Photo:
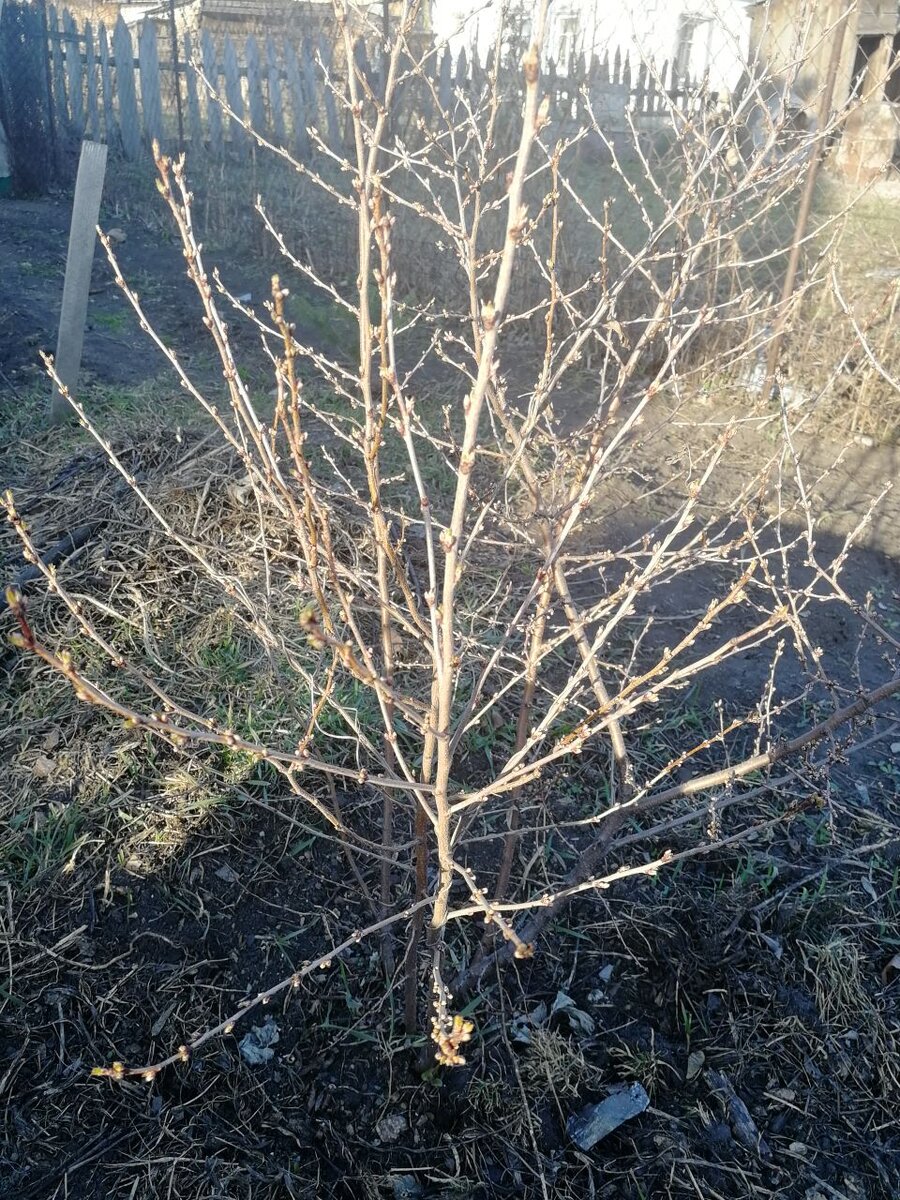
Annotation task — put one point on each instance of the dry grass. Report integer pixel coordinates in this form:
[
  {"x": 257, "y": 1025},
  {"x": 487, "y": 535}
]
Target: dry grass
[
  {"x": 852, "y": 241},
  {"x": 146, "y": 891},
  {"x": 154, "y": 887}
]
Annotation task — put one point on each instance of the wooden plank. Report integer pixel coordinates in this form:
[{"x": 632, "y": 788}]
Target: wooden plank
[
  {"x": 310, "y": 86},
  {"x": 402, "y": 115},
  {"x": 664, "y": 85},
  {"x": 234, "y": 95},
  {"x": 74, "y": 78},
  {"x": 151, "y": 103},
  {"x": 195, "y": 124},
  {"x": 273, "y": 81},
  {"x": 656, "y": 102},
  {"x": 330, "y": 84},
  {"x": 59, "y": 77},
  {"x": 126, "y": 91},
  {"x": 364, "y": 72},
  {"x": 422, "y": 92},
  {"x": 77, "y": 285},
  {"x": 462, "y": 72},
  {"x": 640, "y": 87},
  {"x": 255, "y": 103},
  {"x": 213, "y": 109},
  {"x": 445, "y": 82},
  {"x": 93, "y": 107},
  {"x": 479, "y": 74},
  {"x": 109, "y": 119},
  {"x": 299, "y": 114}
]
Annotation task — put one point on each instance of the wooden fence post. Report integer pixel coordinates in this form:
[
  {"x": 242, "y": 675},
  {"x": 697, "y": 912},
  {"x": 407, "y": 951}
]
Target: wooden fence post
[
  {"x": 234, "y": 95},
  {"x": 255, "y": 103},
  {"x": 151, "y": 102},
  {"x": 76, "y": 289},
  {"x": 195, "y": 125},
  {"x": 273, "y": 83},
  {"x": 310, "y": 86},
  {"x": 663, "y": 105},
  {"x": 640, "y": 88},
  {"x": 128, "y": 110},
  {"x": 59, "y": 79},
  {"x": 445, "y": 80},
  {"x": 331, "y": 113},
  {"x": 73, "y": 73},
  {"x": 213, "y": 110},
  {"x": 109, "y": 120},
  {"x": 299, "y": 112},
  {"x": 93, "y": 107},
  {"x": 462, "y": 71}
]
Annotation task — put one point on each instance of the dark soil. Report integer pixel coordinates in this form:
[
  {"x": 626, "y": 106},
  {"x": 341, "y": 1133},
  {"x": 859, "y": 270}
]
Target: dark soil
[{"x": 776, "y": 963}]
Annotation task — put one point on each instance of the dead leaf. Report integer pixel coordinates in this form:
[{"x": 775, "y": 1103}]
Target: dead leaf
[
  {"x": 43, "y": 766},
  {"x": 240, "y": 493},
  {"x": 159, "y": 1024},
  {"x": 580, "y": 1021},
  {"x": 256, "y": 1046},
  {"x": 52, "y": 740},
  {"x": 695, "y": 1062},
  {"x": 773, "y": 943}
]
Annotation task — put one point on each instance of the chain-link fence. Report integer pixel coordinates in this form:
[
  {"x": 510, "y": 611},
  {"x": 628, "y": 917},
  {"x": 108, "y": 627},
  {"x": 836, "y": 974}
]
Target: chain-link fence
[
  {"x": 129, "y": 75},
  {"x": 638, "y": 97},
  {"x": 278, "y": 67}
]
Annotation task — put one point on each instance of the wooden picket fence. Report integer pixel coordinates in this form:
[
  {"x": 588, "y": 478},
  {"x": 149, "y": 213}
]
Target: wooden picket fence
[{"x": 115, "y": 88}]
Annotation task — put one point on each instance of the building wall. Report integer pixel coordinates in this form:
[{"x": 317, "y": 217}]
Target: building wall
[
  {"x": 106, "y": 11},
  {"x": 792, "y": 41},
  {"x": 878, "y": 17},
  {"x": 640, "y": 29}
]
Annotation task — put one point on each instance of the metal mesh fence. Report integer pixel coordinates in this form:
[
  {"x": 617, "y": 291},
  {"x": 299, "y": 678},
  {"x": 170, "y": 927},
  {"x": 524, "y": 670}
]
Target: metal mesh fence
[
  {"x": 638, "y": 95},
  {"x": 126, "y": 75}
]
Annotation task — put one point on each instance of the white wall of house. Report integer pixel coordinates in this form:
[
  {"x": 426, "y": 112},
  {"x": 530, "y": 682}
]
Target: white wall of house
[{"x": 705, "y": 35}]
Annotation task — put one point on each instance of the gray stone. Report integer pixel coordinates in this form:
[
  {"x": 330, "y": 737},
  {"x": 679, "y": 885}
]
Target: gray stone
[
  {"x": 406, "y": 1187},
  {"x": 597, "y": 1121}
]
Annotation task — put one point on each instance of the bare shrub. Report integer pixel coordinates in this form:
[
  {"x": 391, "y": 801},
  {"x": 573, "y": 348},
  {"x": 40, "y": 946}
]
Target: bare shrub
[{"x": 423, "y": 560}]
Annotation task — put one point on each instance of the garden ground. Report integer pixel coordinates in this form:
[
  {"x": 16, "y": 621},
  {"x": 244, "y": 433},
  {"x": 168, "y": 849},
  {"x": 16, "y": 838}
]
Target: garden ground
[{"x": 143, "y": 894}]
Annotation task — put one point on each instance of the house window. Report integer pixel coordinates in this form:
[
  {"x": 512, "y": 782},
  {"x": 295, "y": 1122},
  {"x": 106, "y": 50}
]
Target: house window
[
  {"x": 866, "y": 47},
  {"x": 685, "y": 44},
  {"x": 567, "y": 40}
]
